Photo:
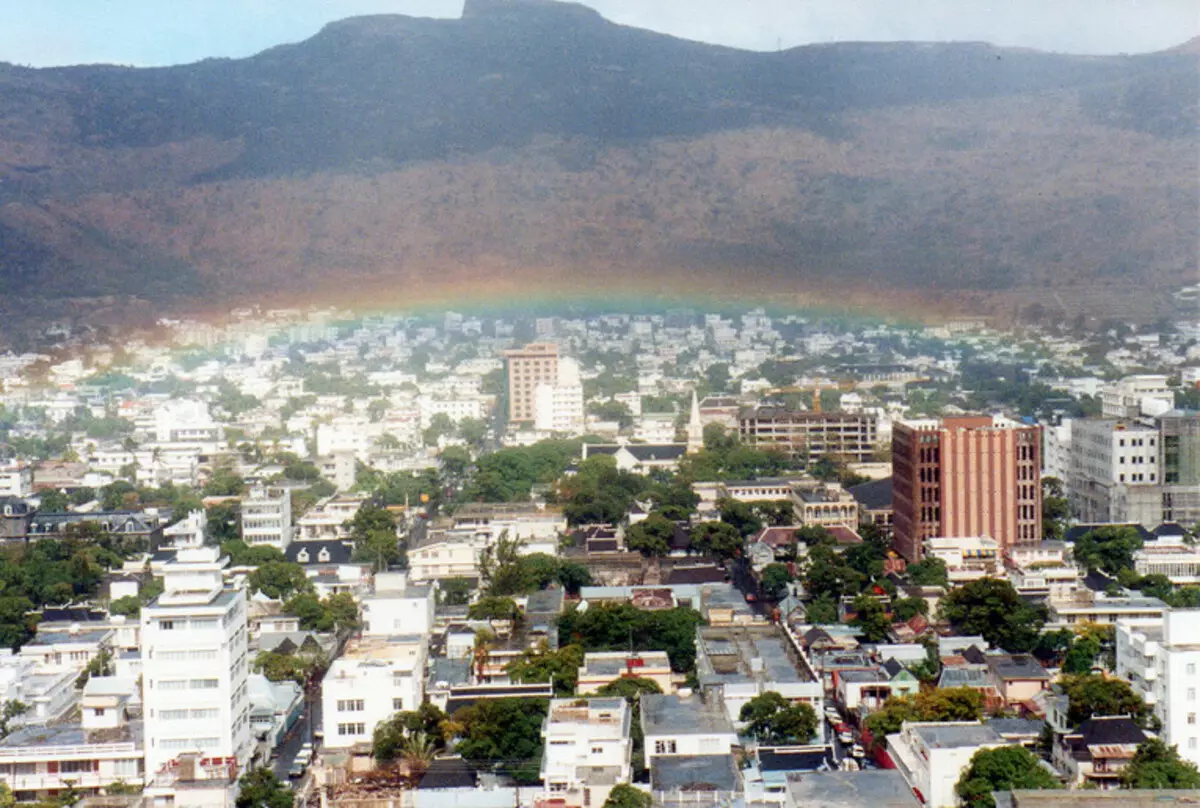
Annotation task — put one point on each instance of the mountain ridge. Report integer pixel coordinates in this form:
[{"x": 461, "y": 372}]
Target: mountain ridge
[{"x": 547, "y": 136}]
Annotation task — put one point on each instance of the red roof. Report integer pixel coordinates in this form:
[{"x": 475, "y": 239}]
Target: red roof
[{"x": 844, "y": 535}]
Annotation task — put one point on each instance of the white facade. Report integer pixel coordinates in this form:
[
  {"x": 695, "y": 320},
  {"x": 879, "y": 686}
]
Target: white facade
[
  {"x": 1172, "y": 557},
  {"x": 186, "y": 421},
  {"x": 16, "y": 480},
  {"x": 1178, "y": 686},
  {"x": 685, "y": 724},
  {"x": 397, "y": 607},
  {"x": 1132, "y": 396},
  {"x": 374, "y": 678},
  {"x": 559, "y": 407},
  {"x": 967, "y": 558},
  {"x": 588, "y": 750},
  {"x": 1137, "y": 644},
  {"x": 194, "y": 664},
  {"x": 267, "y": 518},
  {"x": 933, "y": 755}
]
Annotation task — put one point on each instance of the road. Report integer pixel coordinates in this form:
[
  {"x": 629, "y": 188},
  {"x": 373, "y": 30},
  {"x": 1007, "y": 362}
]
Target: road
[{"x": 299, "y": 735}]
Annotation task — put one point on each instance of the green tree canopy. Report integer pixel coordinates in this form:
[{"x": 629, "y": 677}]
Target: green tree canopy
[
  {"x": 717, "y": 539},
  {"x": 774, "y": 720},
  {"x": 651, "y": 536},
  {"x": 1095, "y": 694},
  {"x": 279, "y": 580},
  {"x": 373, "y": 531},
  {"x": 870, "y": 618},
  {"x": 260, "y": 788},
  {"x": 930, "y": 572},
  {"x": 944, "y": 704},
  {"x": 544, "y": 665},
  {"x": 503, "y": 735},
  {"x": 775, "y": 580},
  {"x": 494, "y": 607},
  {"x": 1156, "y": 765},
  {"x": 1109, "y": 548},
  {"x": 617, "y": 627},
  {"x": 1001, "y": 769},
  {"x": 992, "y": 608}
]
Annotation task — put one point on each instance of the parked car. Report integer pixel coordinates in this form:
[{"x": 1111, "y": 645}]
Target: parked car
[
  {"x": 833, "y": 715},
  {"x": 297, "y": 770},
  {"x": 845, "y": 735},
  {"x": 857, "y": 751},
  {"x": 305, "y": 753}
]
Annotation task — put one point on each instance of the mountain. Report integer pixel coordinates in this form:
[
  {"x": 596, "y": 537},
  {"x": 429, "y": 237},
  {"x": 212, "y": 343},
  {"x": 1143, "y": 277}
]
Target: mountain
[{"x": 532, "y": 146}]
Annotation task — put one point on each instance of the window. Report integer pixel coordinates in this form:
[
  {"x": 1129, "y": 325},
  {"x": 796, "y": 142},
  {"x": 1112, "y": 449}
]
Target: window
[
  {"x": 397, "y": 705},
  {"x": 172, "y": 684},
  {"x": 1191, "y": 719},
  {"x": 99, "y": 711},
  {"x": 74, "y": 766},
  {"x": 209, "y": 712},
  {"x": 166, "y": 625},
  {"x": 173, "y": 715},
  {"x": 1191, "y": 669},
  {"x": 350, "y": 705},
  {"x": 597, "y": 750},
  {"x": 664, "y": 747},
  {"x": 351, "y": 729},
  {"x": 205, "y": 684},
  {"x": 1191, "y": 694}
]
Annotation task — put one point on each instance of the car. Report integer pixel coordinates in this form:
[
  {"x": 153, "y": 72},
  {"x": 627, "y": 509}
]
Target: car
[
  {"x": 306, "y": 752},
  {"x": 297, "y": 770},
  {"x": 751, "y": 597},
  {"x": 857, "y": 751},
  {"x": 833, "y": 715}
]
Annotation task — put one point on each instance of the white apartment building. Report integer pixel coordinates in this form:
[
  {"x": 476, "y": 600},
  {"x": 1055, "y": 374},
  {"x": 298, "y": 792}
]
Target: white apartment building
[
  {"x": 397, "y": 606},
  {"x": 1171, "y": 557},
  {"x": 1096, "y": 607},
  {"x": 588, "y": 750},
  {"x": 16, "y": 480},
  {"x": 1045, "y": 570},
  {"x": 558, "y": 407},
  {"x": 194, "y": 664},
  {"x": 1114, "y": 472},
  {"x": 679, "y": 724},
  {"x": 373, "y": 678},
  {"x": 1178, "y": 686},
  {"x": 187, "y": 532},
  {"x": 967, "y": 558},
  {"x": 933, "y": 755},
  {"x": 347, "y": 433},
  {"x": 1132, "y": 396},
  {"x": 103, "y": 746},
  {"x": 267, "y": 518},
  {"x": 454, "y": 407},
  {"x": 1137, "y": 645},
  {"x": 186, "y": 421},
  {"x": 328, "y": 520}
]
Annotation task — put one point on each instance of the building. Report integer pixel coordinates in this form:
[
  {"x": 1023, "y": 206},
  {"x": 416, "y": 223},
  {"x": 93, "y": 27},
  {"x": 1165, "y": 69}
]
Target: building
[
  {"x": 396, "y": 606},
  {"x": 1169, "y": 556},
  {"x": 1177, "y": 692},
  {"x": 877, "y": 788},
  {"x": 1096, "y": 607},
  {"x": 102, "y": 746},
  {"x": 599, "y": 668},
  {"x": 967, "y": 558},
  {"x": 1134, "y": 396},
  {"x": 639, "y": 457},
  {"x": 529, "y": 367},
  {"x": 675, "y": 724},
  {"x": 588, "y": 750},
  {"x": 1114, "y": 473},
  {"x": 966, "y": 476},
  {"x": 372, "y": 679},
  {"x": 1094, "y": 755},
  {"x": 16, "y": 480},
  {"x": 808, "y": 434},
  {"x": 558, "y": 403},
  {"x": 195, "y": 664},
  {"x": 933, "y": 755},
  {"x": 267, "y": 518},
  {"x": 824, "y": 505}
]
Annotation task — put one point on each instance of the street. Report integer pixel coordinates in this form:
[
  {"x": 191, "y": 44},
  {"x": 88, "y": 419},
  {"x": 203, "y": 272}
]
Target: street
[{"x": 299, "y": 735}]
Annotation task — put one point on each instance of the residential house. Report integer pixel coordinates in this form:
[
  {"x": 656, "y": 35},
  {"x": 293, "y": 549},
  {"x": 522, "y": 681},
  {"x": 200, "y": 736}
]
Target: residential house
[
  {"x": 587, "y": 750},
  {"x": 1094, "y": 755},
  {"x": 933, "y": 755}
]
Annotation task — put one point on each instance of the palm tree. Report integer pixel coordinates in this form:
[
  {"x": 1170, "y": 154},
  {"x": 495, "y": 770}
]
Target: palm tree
[{"x": 418, "y": 750}]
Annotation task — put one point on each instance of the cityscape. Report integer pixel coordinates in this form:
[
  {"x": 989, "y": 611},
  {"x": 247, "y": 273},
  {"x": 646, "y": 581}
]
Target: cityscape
[{"x": 731, "y": 558}]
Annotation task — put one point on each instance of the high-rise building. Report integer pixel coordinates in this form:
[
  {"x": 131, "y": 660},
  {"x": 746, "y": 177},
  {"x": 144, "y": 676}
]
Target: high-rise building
[
  {"x": 808, "y": 434},
  {"x": 195, "y": 666},
  {"x": 558, "y": 404},
  {"x": 966, "y": 476},
  {"x": 267, "y": 518},
  {"x": 1113, "y": 473},
  {"x": 1161, "y": 660},
  {"x": 528, "y": 367}
]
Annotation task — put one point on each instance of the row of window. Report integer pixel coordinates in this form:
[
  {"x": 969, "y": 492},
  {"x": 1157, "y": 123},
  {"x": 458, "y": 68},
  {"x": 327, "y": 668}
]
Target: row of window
[
  {"x": 184, "y": 715},
  {"x": 187, "y": 684},
  {"x": 350, "y": 705},
  {"x": 352, "y": 729},
  {"x": 188, "y": 744},
  {"x": 194, "y": 655}
]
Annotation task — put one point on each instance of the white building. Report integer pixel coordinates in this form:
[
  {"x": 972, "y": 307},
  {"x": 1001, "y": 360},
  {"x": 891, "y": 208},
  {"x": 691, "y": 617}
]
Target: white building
[
  {"x": 1133, "y": 396},
  {"x": 104, "y": 746},
  {"x": 267, "y": 518},
  {"x": 1137, "y": 648},
  {"x": 1114, "y": 474},
  {"x": 1045, "y": 570},
  {"x": 1171, "y": 557},
  {"x": 194, "y": 664},
  {"x": 1179, "y": 682},
  {"x": 588, "y": 750},
  {"x": 187, "y": 532},
  {"x": 397, "y": 606},
  {"x": 374, "y": 678},
  {"x": 967, "y": 558},
  {"x": 186, "y": 421},
  {"x": 1096, "y": 607},
  {"x": 559, "y": 407},
  {"x": 16, "y": 480},
  {"x": 933, "y": 755},
  {"x": 685, "y": 724}
]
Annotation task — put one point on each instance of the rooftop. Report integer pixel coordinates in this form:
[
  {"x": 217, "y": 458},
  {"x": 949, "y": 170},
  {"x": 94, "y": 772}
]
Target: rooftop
[
  {"x": 954, "y": 735},
  {"x": 878, "y": 788},
  {"x": 694, "y": 773},
  {"x": 682, "y": 715}
]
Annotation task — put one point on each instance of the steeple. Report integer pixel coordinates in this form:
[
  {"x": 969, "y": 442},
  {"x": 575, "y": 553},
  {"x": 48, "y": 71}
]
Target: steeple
[{"x": 695, "y": 430}]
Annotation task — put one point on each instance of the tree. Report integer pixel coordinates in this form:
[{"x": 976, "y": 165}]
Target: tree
[
  {"x": 390, "y": 737},
  {"x": 338, "y": 612},
  {"x": 811, "y": 535},
  {"x": 651, "y": 536},
  {"x": 742, "y": 516},
  {"x": 624, "y": 795},
  {"x": 905, "y": 609},
  {"x": 296, "y": 667},
  {"x": 473, "y": 430},
  {"x": 992, "y": 608},
  {"x": 1095, "y": 694},
  {"x": 624, "y": 627},
  {"x": 822, "y": 611},
  {"x": 373, "y": 531},
  {"x": 244, "y": 555},
  {"x": 1001, "y": 769},
  {"x": 456, "y": 591},
  {"x": 930, "y": 572},
  {"x": 53, "y": 501},
  {"x": 871, "y": 618},
  {"x": 1156, "y": 586},
  {"x": 828, "y": 576},
  {"x": 260, "y": 788},
  {"x": 717, "y": 539},
  {"x": 541, "y": 664},
  {"x": 1156, "y": 765},
  {"x": 1081, "y": 655},
  {"x": 1108, "y": 548},
  {"x": 494, "y": 607},
  {"x": 775, "y": 580},
  {"x": 8, "y": 711},
  {"x": 503, "y": 735},
  {"x": 944, "y": 704},
  {"x": 773, "y": 720},
  {"x": 1055, "y": 509},
  {"x": 440, "y": 425},
  {"x": 224, "y": 521},
  {"x": 279, "y": 580},
  {"x": 574, "y": 576},
  {"x": 224, "y": 482},
  {"x": 501, "y": 568},
  {"x": 128, "y": 606}
]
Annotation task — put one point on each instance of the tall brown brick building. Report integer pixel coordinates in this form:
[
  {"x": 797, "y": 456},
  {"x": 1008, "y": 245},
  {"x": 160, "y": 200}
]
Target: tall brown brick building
[{"x": 966, "y": 476}]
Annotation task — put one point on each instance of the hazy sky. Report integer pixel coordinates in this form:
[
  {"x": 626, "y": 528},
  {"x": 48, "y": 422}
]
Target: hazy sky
[{"x": 157, "y": 32}]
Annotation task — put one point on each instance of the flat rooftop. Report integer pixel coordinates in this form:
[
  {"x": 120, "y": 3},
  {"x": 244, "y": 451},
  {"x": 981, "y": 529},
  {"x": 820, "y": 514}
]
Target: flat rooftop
[
  {"x": 71, "y": 734},
  {"x": 682, "y": 715},
  {"x": 955, "y": 735},
  {"x": 744, "y": 654},
  {"x": 877, "y": 788}
]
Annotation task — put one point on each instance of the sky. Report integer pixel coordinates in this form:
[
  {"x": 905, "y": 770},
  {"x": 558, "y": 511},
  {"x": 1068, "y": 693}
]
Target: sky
[{"x": 160, "y": 32}]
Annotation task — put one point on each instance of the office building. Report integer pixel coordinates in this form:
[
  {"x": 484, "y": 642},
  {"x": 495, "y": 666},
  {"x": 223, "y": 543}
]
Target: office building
[
  {"x": 529, "y": 367},
  {"x": 808, "y": 434},
  {"x": 966, "y": 476},
  {"x": 195, "y": 666}
]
